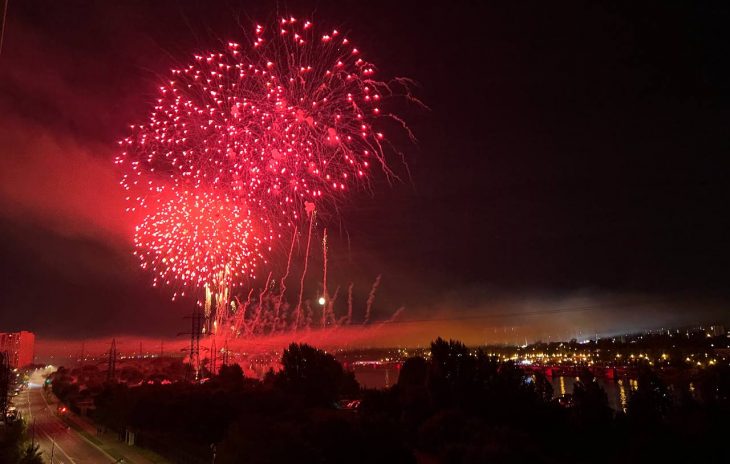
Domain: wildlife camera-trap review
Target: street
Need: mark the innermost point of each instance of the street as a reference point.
(58, 442)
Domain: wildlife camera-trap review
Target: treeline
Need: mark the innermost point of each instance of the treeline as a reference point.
(459, 406)
(15, 444)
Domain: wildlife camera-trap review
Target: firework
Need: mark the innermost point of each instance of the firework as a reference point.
(288, 117)
(200, 241)
(244, 147)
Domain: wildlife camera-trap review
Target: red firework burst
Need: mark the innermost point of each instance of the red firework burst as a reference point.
(199, 240)
(292, 118)
(285, 121)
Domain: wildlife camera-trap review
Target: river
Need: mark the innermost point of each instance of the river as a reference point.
(618, 391)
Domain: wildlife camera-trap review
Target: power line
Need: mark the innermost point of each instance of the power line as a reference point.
(2, 30)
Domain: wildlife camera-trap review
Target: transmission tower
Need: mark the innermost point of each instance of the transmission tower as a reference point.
(111, 373)
(196, 326)
(213, 355)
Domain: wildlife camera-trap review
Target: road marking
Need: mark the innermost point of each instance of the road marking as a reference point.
(56, 445)
(46, 401)
(113, 459)
(27, 396)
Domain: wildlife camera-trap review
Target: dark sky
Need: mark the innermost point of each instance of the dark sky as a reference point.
(570, 148)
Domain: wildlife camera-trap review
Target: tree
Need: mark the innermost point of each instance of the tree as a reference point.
(314, 375)
(130, 375)
(590, 401)
(542, 387)
(231, 375)
(452, 372)
(31, 455)
(651, 400)
(412, 391)
(13, 447)
(413, 373)
(11, 437)
(714, 386)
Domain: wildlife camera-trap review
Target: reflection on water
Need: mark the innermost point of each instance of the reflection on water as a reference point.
(618, 392)
(383, 376)
(623, 398)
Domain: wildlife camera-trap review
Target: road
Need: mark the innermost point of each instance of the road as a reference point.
(59, 443)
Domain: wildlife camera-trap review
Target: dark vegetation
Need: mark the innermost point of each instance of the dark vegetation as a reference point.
(15, 445)
(459, 406)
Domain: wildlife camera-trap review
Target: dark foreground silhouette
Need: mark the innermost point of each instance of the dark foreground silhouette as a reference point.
(459, 406)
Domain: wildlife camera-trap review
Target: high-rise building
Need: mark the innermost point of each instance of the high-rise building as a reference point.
(20, 347)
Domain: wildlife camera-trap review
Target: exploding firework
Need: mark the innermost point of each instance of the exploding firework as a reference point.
(289, 117)
(199, 240)
(242, 146)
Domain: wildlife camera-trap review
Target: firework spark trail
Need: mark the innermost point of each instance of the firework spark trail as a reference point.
(331, 308)
(241, 315)
(324, 260)
(283, 279)
(325, 296)
(260, 307)
(328, 309)
(396, 314)
(371, 299)
(349, 303)
(308, 313)
(221, 298)
(313, 213)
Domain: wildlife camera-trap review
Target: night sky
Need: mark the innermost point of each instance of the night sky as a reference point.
(572, 154)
